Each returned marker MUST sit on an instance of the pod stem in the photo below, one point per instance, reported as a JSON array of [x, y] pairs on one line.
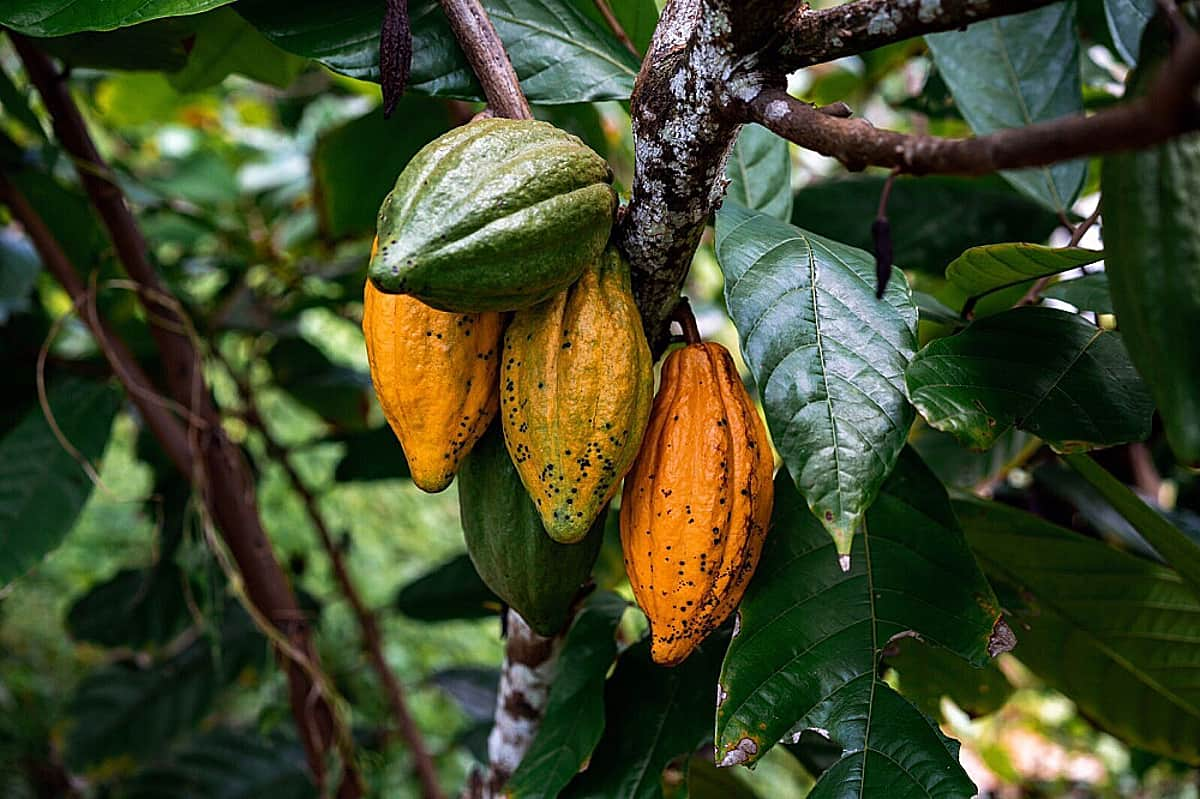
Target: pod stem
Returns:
[[683, 316]]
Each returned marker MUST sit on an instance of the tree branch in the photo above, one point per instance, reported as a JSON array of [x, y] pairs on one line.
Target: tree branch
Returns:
[[211, 460], [487, 57], [815, 37], [614, 25], [372, 640]]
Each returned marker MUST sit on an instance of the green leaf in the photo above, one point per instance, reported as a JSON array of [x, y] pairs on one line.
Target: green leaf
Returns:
[[1116, 633], [928, 673], [69, 216], [225, 44], [959, 467], [134, 608], [373, 454], [931, 309], [1180, 552], [225, 763], [453, 590], [1045, 371], [559, 55], [126, 710], [348, 196], [760, 172], [638, 18], [335, 393], [574, 717], [933, 219], [60, 17], [42, 487], [653, 716], [19, 268], [160, 44], [828, 358], [16, 105], [809, 636], [1126, 22], [982, 270], [1151, 201], [1013, 71], [706, 781], [473, 689], [1087, 293]]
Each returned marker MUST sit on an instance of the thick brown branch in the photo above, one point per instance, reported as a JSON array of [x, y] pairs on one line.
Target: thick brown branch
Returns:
[[487, 57], [372, 640], [1167, 110], [213, 460], [816, 37]]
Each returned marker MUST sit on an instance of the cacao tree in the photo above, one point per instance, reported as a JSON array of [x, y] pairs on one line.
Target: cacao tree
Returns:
[[599, 398]]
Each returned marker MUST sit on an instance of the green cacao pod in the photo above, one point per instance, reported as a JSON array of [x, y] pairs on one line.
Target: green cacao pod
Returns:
[[576, 386], [495, 215], [1151, 206], [536, 576]]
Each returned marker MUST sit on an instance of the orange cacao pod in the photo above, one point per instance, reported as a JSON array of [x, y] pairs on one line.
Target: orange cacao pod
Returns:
[[697, 501], [576, 388], [435, 375]]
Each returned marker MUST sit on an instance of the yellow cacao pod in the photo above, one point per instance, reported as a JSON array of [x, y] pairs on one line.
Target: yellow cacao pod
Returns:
[[435, 374], [697, 501], [576, 388]]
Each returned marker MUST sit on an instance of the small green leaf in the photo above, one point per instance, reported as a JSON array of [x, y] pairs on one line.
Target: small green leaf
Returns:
[[60, 17], [559, 55], [928, 673], [1087, 293], [1126, 22], [225, 44], [134, 608], [1045, 371], [760, 172], [226, 763], [348, 196], [1116, 633], [574, 717], [809, 636], [16, 105], [42, 486], [828, 358], [653, 716], [373, 454], [982, 270], [1013, 71], [453, 590], [335, 393]]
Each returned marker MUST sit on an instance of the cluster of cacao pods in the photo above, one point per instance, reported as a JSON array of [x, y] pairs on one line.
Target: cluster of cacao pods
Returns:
[[493, 291]]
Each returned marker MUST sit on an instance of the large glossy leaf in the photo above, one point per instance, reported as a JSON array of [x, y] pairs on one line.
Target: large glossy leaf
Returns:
[[1118, 634], [933, 219], [1012, 71], [60, 17], [760, 172], [136, 607], [226, 763], [652, 716], [828, 358], [574, 718], [1087, 293], [1045, 371], [981, 270], [453, 590], [42, 486], [160, 44], [348, 196], [225, 44], [125, 709], [1151, 202], [810, 636], [559, 55], [1126, 21]]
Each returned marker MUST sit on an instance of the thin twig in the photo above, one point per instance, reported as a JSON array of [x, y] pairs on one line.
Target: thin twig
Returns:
[[1034, 294], [485, 53], [615, 25], [372, 639]]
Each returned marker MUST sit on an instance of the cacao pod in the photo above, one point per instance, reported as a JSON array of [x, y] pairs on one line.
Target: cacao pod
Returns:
[[435, 374], [577, 383], [495, 215], [697, 502], [536, 576]]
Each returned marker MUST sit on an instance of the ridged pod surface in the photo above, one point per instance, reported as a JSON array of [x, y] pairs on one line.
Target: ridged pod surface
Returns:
[[435, 374], [536, 576], [495, 215], [697, 502], [577, 383]]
